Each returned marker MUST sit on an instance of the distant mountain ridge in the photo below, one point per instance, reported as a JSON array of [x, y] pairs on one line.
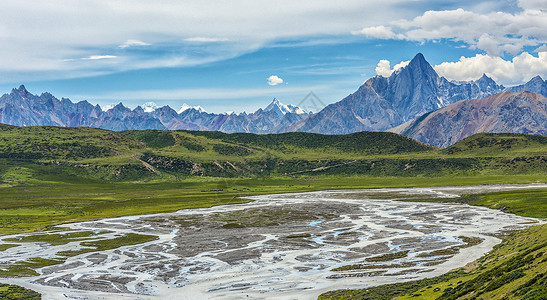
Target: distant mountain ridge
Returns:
[[506, 112], [21, 108], [379, 104]]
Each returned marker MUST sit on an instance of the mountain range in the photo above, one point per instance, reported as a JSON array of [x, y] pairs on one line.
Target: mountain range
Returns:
[[414, 92], [21, 108]]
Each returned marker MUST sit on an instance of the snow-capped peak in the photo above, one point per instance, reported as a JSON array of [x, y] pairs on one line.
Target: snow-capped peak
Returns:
[[107, 107], [186, 107], [281, 109], [149, 107]]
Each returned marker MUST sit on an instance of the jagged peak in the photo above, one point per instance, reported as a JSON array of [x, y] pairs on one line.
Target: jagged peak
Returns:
[[119, 107], [281, 109], [536, 78], [84, 102], [418, 58], [186, 107], [485, 78], [21, 90], [418, 65], [149, 106]]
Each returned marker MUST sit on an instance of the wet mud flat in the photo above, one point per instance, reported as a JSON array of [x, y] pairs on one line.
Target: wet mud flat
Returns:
[[289, 246]]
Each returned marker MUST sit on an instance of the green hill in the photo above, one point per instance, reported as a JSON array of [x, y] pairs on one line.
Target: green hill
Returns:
[[33, 154], [499, 144]]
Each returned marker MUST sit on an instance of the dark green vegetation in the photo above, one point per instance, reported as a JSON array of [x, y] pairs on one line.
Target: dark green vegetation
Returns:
[[14, 292], [515, 269], [7, 246]]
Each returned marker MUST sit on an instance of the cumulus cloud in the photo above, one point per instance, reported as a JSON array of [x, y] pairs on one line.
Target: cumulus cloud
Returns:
[[274, 80], [495, 32], [507, 72], [133, 43], [384, 67]]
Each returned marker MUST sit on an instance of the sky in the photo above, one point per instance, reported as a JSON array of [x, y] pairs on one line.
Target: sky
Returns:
[[238, 55]]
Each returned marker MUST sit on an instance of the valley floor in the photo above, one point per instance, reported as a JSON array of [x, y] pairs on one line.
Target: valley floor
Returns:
[[283, 245]]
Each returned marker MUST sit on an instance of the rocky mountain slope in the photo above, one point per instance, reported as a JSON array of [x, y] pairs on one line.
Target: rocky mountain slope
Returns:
[[535, 85], [522, 112], [382, 103], [21, 108]]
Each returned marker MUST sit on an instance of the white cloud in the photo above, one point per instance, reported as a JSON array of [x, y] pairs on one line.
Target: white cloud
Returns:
[[495, 32], [183, 32], [133, 43], [97, 57], [380, 32], [384, 67], [206, 40], [508, 72], [274, 80], [533, 4]]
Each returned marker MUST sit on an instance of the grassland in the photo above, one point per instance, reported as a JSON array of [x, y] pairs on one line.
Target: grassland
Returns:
[[27, 208], [30, 155]]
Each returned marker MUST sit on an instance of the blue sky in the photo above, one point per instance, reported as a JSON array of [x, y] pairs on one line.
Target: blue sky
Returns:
[[220, 54]]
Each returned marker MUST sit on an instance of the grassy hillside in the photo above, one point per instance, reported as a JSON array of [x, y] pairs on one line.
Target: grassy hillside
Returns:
[[499, 144], [515, 269], [31, 154]]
